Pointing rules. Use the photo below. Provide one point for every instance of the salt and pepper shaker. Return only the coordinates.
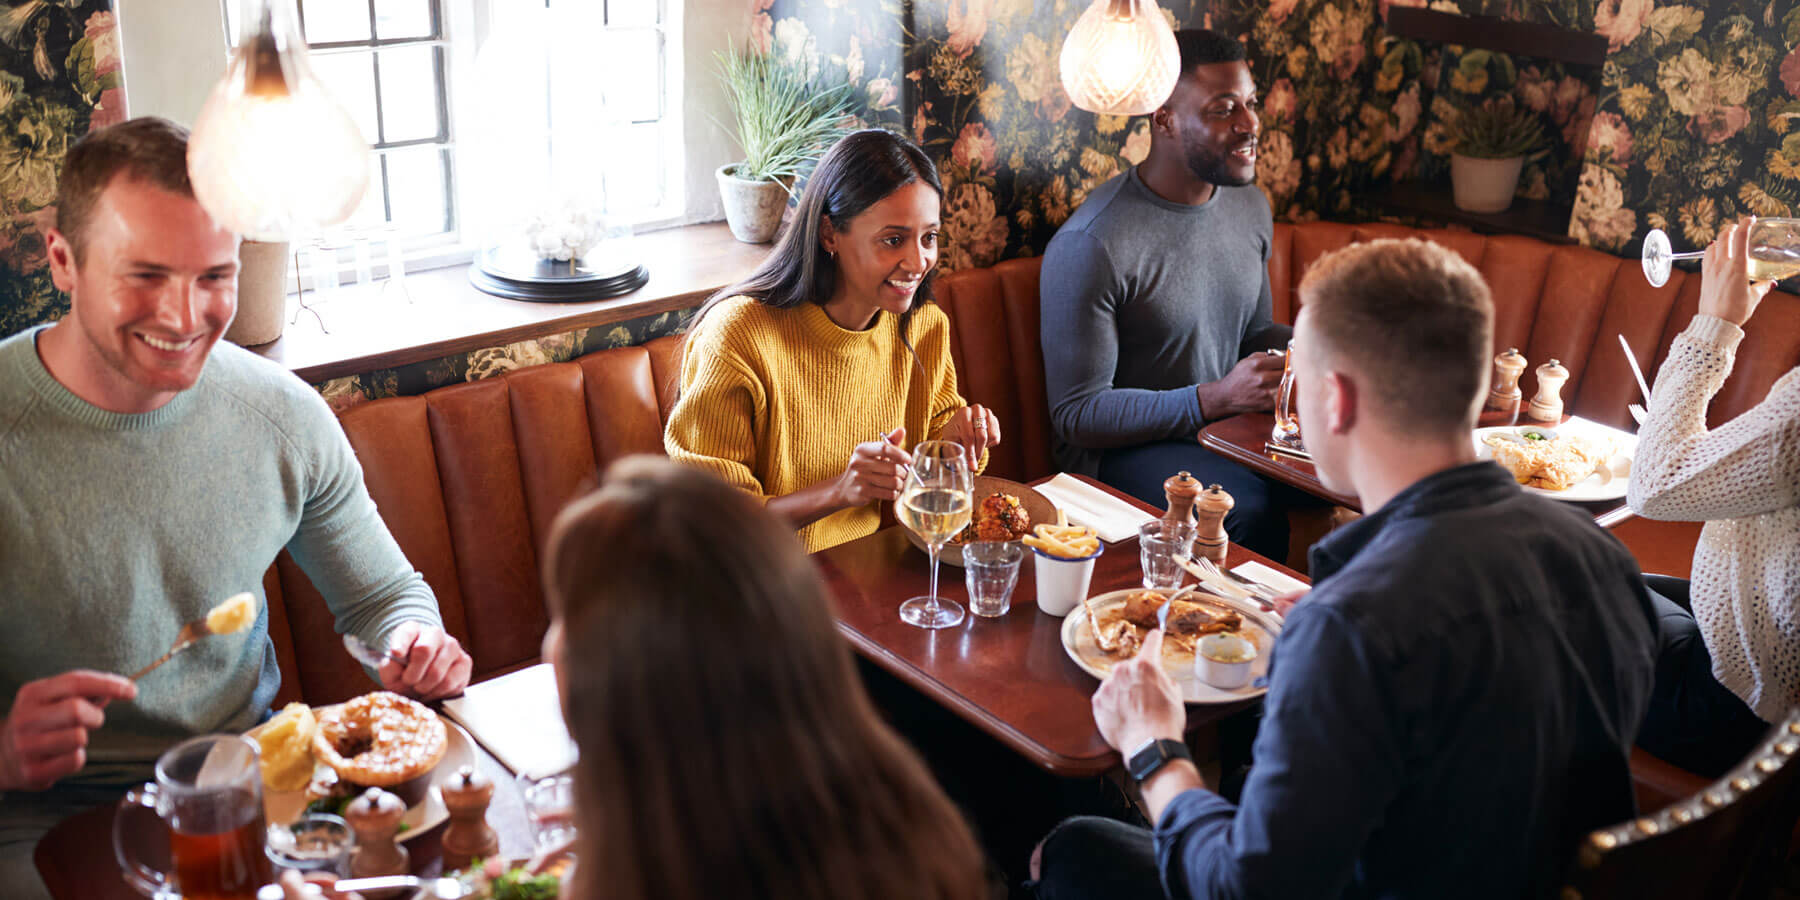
(1547, 406)
(1211, 507)
(375, 817)
(1504, 394)
(1181, 489)
(466, 797)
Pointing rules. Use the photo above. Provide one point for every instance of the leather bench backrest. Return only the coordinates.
(470, 477)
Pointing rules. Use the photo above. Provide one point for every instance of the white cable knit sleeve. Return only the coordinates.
(1748, 466)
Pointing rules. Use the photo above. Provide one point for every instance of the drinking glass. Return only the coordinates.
(1163, 545)
(1774, 252)
(550, 805)
(207, 800)
(990, 570)
(935, 504)
(1287, 417)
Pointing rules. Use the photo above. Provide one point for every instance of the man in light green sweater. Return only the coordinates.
(148, 472)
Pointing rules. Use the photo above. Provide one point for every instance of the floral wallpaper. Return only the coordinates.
(59, 79)
(1689, 121)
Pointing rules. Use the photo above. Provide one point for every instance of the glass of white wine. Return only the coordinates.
(1774, 252)
(935, 504)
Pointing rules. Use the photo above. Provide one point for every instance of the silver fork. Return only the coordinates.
(1261, 593)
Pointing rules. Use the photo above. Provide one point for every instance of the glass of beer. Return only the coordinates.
(207, 801)
(1287, 415)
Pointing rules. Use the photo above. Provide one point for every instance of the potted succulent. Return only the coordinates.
(783, 121)
(1493, 141)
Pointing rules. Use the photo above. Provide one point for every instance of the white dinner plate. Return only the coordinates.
(284, 807)
(1610, 483)
(1078, 642)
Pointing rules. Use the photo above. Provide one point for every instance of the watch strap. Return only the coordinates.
(1148, 759)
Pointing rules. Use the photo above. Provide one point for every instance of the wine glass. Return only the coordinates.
(1774, 252)
(935, 504)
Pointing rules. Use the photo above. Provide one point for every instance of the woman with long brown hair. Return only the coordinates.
(806, 383)
(727, 747)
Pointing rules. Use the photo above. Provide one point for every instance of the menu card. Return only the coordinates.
(518, 718)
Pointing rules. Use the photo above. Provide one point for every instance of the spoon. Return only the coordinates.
(222, 619)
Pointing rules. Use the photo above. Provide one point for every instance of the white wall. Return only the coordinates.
(175, 51)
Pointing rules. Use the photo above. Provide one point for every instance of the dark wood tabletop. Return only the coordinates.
(77, 862)
(1241, 439)
(1008, 676)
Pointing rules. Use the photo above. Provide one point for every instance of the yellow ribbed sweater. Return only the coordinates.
(775, 400)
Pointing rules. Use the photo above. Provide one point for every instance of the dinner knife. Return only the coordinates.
(1639, 373)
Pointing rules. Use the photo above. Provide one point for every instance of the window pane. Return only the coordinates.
(350, 77)
(403, 19)
(634, 170)
(415, 177)
(372, 211)
(409, 96)
(335, 20)
(631, 12)
(632, 69)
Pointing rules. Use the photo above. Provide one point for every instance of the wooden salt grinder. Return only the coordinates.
(1504, 394)
(1547, 406)
(466, 796)
(1182, 490)
(1212, 506)
(375, 817)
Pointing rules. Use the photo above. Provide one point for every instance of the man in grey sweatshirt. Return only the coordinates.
(148, 472)
(1155, 302)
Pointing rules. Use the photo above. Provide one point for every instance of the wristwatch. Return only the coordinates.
(1152, 755)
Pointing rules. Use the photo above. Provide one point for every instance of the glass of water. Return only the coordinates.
(1163, 545)
(991, 569)
(550, 805)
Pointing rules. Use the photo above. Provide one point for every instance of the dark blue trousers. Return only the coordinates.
(1693, 721)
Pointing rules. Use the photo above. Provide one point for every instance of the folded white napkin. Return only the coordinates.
(1112, 519)
(1262, 574)
(518, 717)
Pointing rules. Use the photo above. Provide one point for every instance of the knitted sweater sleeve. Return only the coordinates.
(1748, 466)
(713, 424)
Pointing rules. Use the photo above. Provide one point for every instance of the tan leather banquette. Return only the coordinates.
(469, 477)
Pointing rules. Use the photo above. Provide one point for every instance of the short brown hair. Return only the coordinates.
(147, 148)
(727, 746)
(1414, 318)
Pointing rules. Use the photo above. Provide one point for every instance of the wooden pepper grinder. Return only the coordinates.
(1505, 394)
(375, 817)
(1547, 406)
(466, 796)
(1212, 506)
(1182, 490)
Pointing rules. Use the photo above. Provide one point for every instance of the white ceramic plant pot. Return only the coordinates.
(752, 208)
(1484, 185)
(262, 293)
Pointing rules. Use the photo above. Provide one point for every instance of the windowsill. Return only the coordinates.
(374, 326)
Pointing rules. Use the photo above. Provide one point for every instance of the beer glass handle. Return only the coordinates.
(146, 880)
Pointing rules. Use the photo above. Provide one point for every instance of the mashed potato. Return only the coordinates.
(286, 742)
(235, 614)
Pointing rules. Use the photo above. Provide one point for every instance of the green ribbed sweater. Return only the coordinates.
(116, 529)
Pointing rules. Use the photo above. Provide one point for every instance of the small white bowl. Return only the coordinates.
(1224, 660)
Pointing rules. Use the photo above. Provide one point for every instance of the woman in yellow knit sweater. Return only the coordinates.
(806, 383)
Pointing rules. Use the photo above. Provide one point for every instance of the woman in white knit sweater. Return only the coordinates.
(1714, 698)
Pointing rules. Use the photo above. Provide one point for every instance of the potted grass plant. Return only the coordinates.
(1493, 141)
(783, 121)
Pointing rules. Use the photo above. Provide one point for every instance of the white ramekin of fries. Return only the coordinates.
(1063, 556)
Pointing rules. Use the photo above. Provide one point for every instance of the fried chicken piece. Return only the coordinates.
(1007, 512)
(1186, 618)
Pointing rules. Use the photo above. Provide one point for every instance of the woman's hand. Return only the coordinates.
(1725, 288)
(976, 428)
(876, 471)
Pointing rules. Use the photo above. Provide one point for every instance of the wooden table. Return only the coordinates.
(1008, 676)
(77, 862)
(1241, 439)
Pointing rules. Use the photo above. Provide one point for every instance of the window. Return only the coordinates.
(398, 66)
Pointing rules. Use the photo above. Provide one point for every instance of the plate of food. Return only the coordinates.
(1126, 616)
(320, 759)
(1004, 511)
(1579, 460)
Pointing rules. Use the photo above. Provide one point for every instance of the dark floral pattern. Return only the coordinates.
(59, 79)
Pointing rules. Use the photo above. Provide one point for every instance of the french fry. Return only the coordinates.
(1066, 541)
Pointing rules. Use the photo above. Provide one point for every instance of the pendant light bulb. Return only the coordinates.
(273, 155)
(1120, 58)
